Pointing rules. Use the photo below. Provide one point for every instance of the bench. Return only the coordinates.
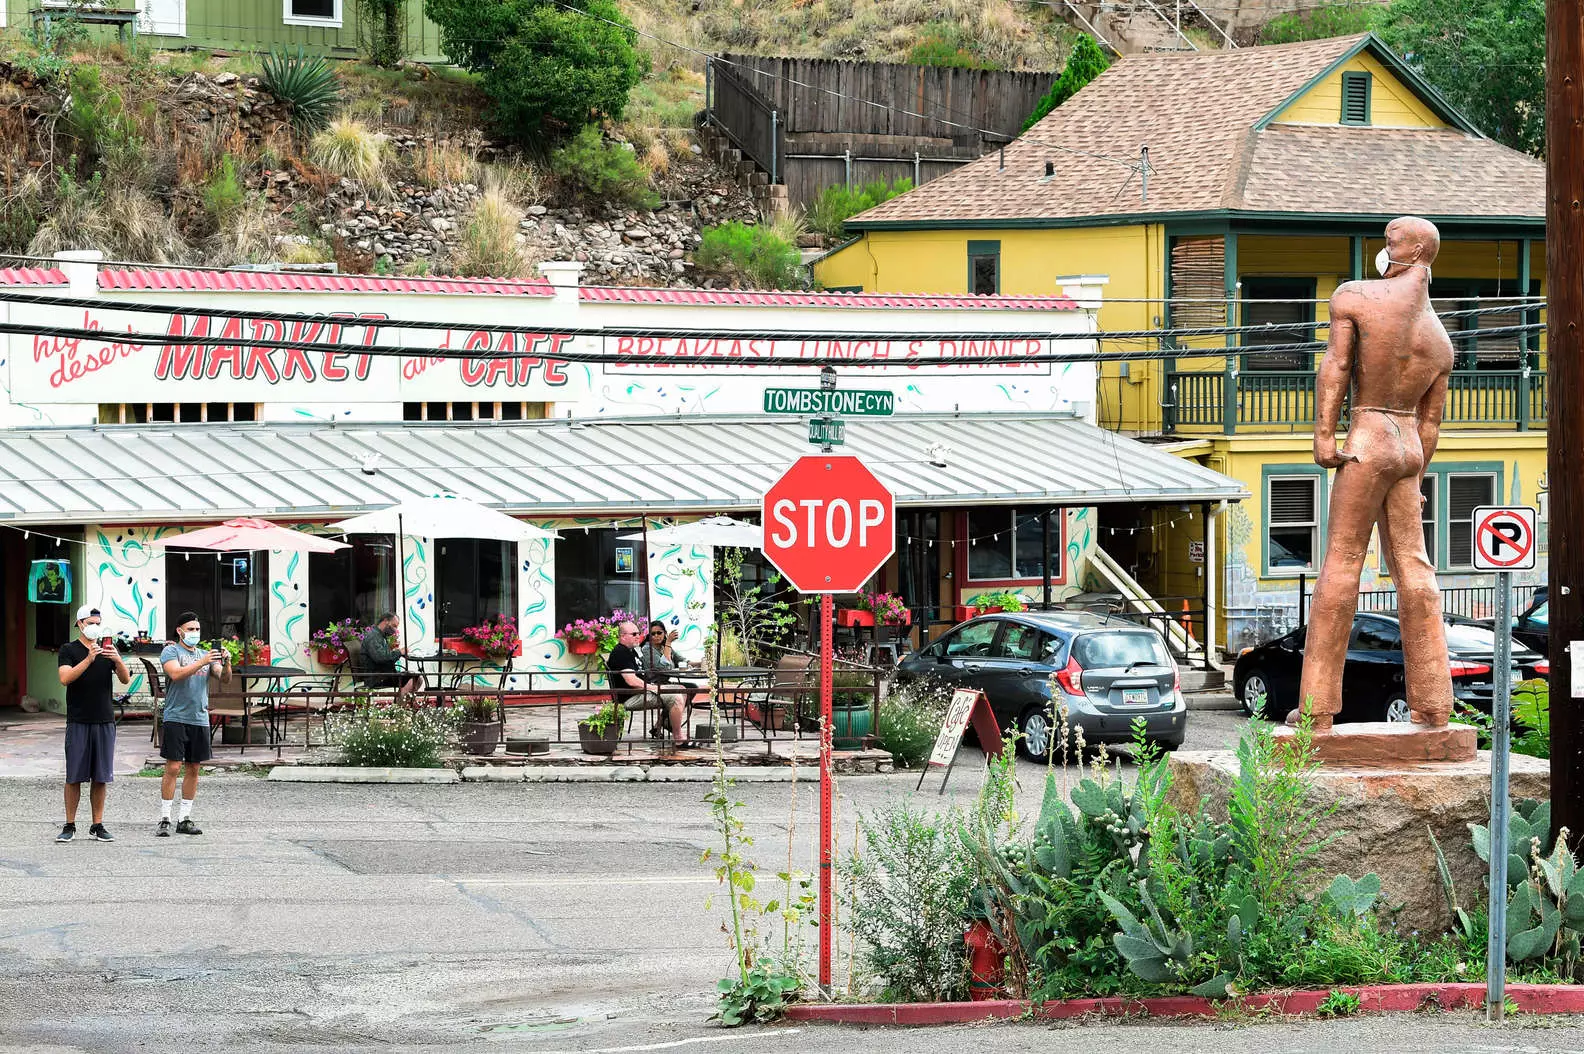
(96, 16)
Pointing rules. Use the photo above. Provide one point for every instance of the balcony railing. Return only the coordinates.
(1283, 401)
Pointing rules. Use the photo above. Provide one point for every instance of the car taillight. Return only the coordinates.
(1176, 679)
(1542, 668)
(1070, 677)
(1461, 668)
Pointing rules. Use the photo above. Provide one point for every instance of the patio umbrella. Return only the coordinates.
(712, 530)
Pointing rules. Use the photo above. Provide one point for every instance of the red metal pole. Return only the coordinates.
(827, 883)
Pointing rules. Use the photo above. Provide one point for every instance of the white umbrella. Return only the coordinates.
(443, 516)
(712, 530)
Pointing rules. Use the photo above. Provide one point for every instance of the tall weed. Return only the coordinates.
(489, 247)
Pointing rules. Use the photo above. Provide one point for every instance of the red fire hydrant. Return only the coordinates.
(985, 956)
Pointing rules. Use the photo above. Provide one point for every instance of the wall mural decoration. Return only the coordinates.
(682, 592)
(124, 572)
(288, 616)
(419, 623)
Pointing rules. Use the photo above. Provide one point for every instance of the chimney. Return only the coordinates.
(82, 270)
(563, 275)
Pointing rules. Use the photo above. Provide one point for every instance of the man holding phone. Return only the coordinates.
(184, 737)
(86, 667)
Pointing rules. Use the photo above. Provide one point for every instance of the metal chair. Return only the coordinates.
(156, 686)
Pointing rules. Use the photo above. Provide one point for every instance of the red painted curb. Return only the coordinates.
(1530, 999)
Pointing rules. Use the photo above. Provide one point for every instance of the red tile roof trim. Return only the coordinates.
(655, 295)
(32, 276)
(310, 282)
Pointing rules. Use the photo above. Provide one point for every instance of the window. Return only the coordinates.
(1263, 305)
(1475, 352)
(312, 13)
(225, 589)
(477, 580)
(482, 411)
(144, 413)
(972, 641)
(1373, 634)
(1465, 493)
(1008, 545)
(984, 268)
(1355, 97)
(1120, 649)
(358, 582)
(596, 572)
(1292, 524)
(1024, 644)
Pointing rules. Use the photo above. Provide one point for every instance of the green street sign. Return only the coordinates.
(819, 401)
(827, 431)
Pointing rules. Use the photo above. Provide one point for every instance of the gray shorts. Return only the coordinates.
(181, 742)
(90, 752)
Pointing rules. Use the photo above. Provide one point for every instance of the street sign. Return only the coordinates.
(829, 401)
(1504, 538)
(827, 431)
(829, 524)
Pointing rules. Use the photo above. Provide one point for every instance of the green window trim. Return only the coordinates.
(1322, 500)
(979, 251)
(1357, 87)
(1443, 473)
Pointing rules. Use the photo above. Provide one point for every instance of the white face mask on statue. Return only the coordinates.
(1383, 263)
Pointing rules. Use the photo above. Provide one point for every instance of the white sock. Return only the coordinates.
(186, 809)
(165, 808)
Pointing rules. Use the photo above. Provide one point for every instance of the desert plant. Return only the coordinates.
(942, 44)
(22, 207)
(837, 204)
(76, 218)
(306, 84)
(223, 196)
(96, 117)
(489, 247)
(139, 228)
(751, 255)
(350, 149)
(445, 162)
(247, 236)
(382, 734)
(910, 719)
(598, 170)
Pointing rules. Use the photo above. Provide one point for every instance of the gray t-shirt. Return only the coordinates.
(186, 700)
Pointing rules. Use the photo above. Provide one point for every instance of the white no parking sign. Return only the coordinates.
(1504, 538)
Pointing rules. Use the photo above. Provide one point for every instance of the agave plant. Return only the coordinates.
(306, 83)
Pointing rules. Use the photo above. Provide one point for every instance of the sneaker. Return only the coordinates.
(68, 832)
(188, 827)
(98, 833)
(163, 830)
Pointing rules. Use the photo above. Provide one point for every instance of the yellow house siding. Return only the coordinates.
(1392, 103)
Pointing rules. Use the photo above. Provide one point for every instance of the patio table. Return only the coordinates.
(272, 677)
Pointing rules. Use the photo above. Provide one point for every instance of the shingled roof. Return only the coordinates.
(1205, 117)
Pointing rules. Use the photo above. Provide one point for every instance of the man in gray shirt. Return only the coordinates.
(379, 659)
(184, 737)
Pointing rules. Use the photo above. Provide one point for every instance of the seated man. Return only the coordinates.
(629, 688)
(379, 659)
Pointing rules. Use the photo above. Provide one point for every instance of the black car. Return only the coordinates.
(1372, 677)
(1532, 628)
(1107, 673)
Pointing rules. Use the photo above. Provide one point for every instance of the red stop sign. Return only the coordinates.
(829, 524)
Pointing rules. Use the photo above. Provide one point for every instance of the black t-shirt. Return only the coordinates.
(88, 697)
(622, 658)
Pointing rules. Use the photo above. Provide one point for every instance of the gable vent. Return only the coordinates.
(1355, 98)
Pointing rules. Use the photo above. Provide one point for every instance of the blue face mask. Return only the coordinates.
(190, 639)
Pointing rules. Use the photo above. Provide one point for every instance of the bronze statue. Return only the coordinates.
(1385, 338)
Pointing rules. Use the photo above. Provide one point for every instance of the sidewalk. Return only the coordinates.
(34, 745)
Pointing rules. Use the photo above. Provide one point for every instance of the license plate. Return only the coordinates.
(1135, 696)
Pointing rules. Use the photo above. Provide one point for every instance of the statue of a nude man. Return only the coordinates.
(1385, 339)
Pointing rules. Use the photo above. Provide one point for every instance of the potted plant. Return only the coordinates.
(852, 710)
(330, 643)
(876, 609)
(251, 652)
(585, 635)
(480, 724)
(989, 603)
(495, 638)
(602, 730)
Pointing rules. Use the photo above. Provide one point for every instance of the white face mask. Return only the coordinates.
(190, 639)
(1383, 263)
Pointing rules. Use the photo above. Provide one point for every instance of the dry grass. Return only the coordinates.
(489, 247)
(351, 150)
(657, 159)
(310, 253)
(247, 237)
(445, 162)
(523, 184)
(141, 229)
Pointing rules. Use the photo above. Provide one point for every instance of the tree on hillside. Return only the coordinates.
(547, 70)
(1486, 56)
(1085, 63)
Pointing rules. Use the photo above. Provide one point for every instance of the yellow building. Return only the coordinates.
(1247, 184)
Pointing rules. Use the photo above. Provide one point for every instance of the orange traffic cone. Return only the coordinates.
(1187, 625)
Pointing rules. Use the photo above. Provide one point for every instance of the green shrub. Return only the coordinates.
(96, 118)
(942, 45)
(750, 255)
(1085, 63)
(381, 734)
(75, 217)
(910, 719)
(44, 55)
(304, 83)
(547, 70)
(352, 151)
(837, 203)
(602, 171)
(1335, 20)
(223, 195)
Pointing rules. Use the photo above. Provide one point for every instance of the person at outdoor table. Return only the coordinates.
(184, 741)
(627, 680)
(380, 655)
(658, 652)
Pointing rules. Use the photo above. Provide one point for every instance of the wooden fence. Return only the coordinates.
(748, 118)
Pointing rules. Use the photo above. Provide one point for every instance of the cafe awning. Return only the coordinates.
(616, 467)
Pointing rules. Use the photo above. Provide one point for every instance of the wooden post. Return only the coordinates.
(1565, 370)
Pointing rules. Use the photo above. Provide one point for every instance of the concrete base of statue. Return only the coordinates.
(1382, 820)
(1391, 743)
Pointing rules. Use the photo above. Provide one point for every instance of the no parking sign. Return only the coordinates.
(1504, 538)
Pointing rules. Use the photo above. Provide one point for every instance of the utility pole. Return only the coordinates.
(1565, 380)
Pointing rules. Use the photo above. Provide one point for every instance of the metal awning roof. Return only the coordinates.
(597, 467)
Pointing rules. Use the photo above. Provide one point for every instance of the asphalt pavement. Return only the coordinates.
(509, 917)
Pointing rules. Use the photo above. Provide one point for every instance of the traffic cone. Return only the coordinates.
(1187, 626)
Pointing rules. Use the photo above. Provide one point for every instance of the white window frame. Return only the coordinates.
(290, 19)
(1314, 526)
(1495, 491)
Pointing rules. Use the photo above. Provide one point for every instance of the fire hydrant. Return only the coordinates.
(985, 955)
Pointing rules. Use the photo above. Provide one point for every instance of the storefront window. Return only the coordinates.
(597, 571)
(225, 589)
(477, 580)
(357, 583)
(1009, 544)
(52, 623)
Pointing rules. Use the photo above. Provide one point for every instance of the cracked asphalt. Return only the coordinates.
(502, 917)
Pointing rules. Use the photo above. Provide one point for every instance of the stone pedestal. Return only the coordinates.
(1384, 811)
(1391, 743)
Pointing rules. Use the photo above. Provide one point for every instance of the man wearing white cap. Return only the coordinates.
(86, 666)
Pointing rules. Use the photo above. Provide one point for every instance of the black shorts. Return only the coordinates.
(189, 743)
(90, 752)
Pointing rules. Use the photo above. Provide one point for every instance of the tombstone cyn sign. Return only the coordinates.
(829, 524)
(1504, 538)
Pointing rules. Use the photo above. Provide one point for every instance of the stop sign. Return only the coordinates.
(829, 524)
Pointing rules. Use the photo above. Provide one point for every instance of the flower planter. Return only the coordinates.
(597, 743)
(261, 657)
(854, 617)
(964, 612)
(467, 647)
(582, 647)
(330, 656)
(480, 738)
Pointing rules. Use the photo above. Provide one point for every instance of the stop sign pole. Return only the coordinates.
(829, 526)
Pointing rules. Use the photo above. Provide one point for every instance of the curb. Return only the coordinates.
(1373, 999)
(1212, 701)
(536, 774)
(345, 774)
